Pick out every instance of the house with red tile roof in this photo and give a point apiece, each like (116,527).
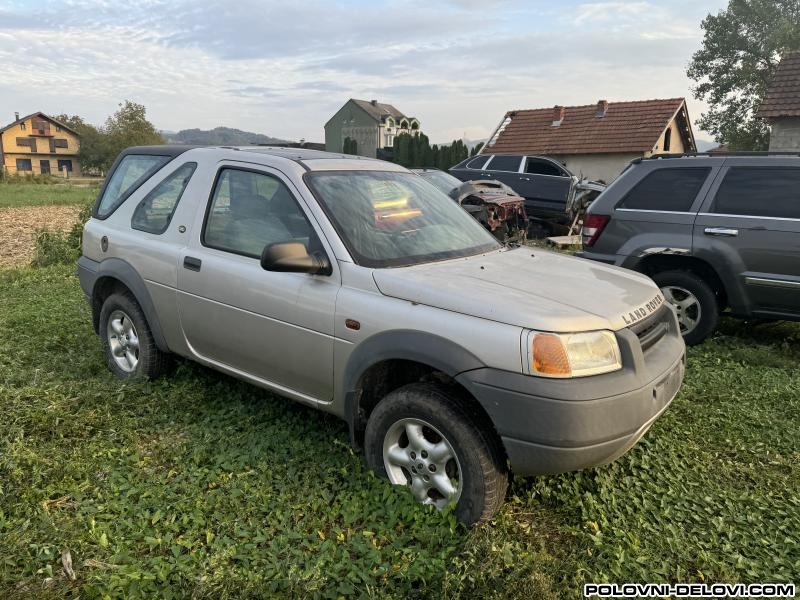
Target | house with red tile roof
(781,105)
(597,140)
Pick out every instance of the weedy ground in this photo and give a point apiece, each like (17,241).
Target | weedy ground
(196,484)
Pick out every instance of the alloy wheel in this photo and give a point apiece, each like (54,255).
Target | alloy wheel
(416,454)
(686,305)
(123,341)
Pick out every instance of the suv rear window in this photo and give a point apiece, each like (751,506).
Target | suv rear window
(670,190)
(132,171)
(505,163)
(760,192)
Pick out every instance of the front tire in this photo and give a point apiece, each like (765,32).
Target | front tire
(695,301)
(128,343)
(422,436)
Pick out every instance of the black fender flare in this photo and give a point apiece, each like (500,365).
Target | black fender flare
(93,274)
(406,344)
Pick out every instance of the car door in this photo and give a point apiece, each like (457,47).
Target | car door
(544,184)
(274,327)
(751,221)
(653,209)
(504,168)
(471,169)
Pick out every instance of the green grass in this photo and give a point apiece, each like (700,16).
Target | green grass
(29,194)
(197,484)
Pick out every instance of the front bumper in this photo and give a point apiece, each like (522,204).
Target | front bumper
(555,426)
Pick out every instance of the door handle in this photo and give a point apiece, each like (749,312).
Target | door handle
(721,231)
(525,178)
(191,263)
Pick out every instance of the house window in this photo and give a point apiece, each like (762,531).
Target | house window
(667,139)
(390,140)
(24,164)
(61,143)
(22,125)
(27,142)
(65,165)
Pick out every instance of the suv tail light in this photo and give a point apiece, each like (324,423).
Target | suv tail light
(592,228)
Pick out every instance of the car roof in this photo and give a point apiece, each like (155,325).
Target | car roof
(309,160)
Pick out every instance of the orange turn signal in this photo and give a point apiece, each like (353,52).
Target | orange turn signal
(550,356)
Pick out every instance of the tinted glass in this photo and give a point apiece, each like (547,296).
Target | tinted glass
(537,166)
(396,219)
(505,163)
(477,162)
(132,172)
(251,210)
(667,189)
(761,192)
(155,211)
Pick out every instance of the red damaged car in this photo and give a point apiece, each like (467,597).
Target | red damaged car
(492,203)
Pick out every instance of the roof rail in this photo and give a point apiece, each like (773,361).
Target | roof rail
(719,154)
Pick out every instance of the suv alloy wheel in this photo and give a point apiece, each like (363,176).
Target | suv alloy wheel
(694,300)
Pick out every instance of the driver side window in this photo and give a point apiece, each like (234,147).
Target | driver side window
(250,210)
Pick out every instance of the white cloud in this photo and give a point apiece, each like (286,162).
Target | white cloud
(283,68)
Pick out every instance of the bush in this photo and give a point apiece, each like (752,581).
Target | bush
(33,179)
(59,247)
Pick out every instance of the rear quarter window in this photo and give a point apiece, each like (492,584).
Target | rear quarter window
(670,190)
(154,213)
(760,192)
(477,162)
(131,172)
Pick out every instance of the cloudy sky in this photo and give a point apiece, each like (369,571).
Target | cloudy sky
(284,67)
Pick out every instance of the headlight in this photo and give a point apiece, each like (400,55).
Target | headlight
(572,354)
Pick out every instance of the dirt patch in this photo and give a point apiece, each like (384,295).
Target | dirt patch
(18,230)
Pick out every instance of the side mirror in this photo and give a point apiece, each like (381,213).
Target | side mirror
(292,257)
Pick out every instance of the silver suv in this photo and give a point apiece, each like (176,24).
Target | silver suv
(356,287)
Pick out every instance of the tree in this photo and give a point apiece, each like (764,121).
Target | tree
(741,49)
(129,127)
(101,145)
(93,153)
(476,149)
(349,146)
(415,151)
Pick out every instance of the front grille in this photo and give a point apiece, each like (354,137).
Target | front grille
(652,329)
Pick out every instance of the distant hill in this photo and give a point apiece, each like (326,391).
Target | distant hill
(219,136)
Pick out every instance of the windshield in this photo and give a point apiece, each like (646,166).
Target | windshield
(391,219)
(444,181)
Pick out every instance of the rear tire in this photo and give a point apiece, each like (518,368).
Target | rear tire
(128,343)
(422,435)
(695,301)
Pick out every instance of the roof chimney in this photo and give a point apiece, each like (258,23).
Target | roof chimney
(16,117)
(558,115)
(373,102)
(602,107)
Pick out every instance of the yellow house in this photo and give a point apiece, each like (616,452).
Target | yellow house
(39,145)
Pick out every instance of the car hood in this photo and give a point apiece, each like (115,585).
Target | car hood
(529,288)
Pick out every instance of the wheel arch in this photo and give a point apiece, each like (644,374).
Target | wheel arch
(658,263)
(390,360)
(115,274)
